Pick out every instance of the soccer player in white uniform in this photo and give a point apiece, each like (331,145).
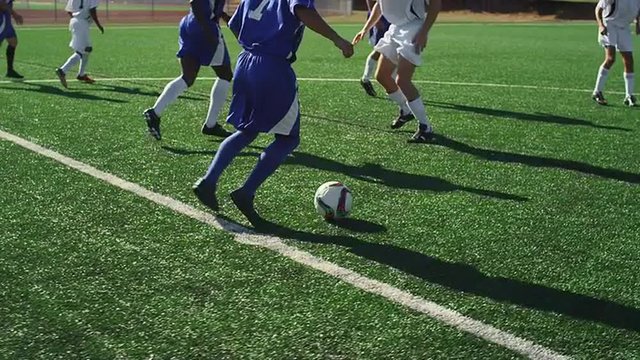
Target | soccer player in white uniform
(401,48)
(82,13)
(614,17)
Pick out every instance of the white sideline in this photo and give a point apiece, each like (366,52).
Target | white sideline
(434,82)
(245,236)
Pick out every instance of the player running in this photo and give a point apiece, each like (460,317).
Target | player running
(201,44)
(265,92)
(82,13)
(9,33)
(401,48)
(375,34)
(614,17)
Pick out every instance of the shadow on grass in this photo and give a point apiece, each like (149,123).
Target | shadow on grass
(537,117)
(58,91)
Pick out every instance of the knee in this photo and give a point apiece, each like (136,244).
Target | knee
(403,82)
(291,142)
(225,73)
(609,61)
(383,78)
(189,80)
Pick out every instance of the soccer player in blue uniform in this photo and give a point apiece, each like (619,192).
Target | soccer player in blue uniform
(265,94)
(201,44)
(9,33)
(375,34)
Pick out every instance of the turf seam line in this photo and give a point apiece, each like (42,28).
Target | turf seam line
(245,236)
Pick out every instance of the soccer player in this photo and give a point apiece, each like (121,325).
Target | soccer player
(201,44)
(613,18)
(265,94)
(375,34)
(82,14)
(9,33)
(401,48)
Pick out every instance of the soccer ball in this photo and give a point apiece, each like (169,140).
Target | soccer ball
(333,200)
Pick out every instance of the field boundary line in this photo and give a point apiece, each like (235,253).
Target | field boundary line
(245,236)
(432,82)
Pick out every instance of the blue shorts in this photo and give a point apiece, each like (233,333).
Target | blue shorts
(6,30)
(265,96)
(193,42)
(376,34)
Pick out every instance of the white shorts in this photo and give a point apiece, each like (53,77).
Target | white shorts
(80,39)
(398,41)
(617,37)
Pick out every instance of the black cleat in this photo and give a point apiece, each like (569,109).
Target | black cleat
(401,120)
(206,195)
(153,123)
(216,130)
(423,135)
(368,87)
(13,74)
(599,98)
(631,101)
(63,77)
(244,203)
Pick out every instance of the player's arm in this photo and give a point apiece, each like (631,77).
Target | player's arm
(315,22)
(201,11)
(370,4)
(602,29)
(17,17)
(94,16)
(433,10)
(376,14)
(638,24)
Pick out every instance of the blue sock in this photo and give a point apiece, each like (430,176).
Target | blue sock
(228,150)
(272,157)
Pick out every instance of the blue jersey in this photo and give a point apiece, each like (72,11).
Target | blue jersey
(269,27)
(5,16)
(213,7)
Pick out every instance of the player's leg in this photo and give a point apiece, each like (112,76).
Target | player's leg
(384,75)
(78,45)
(84,62)
(219,91)
(370,66)
(629,78)
(12,44)
(603,71)
(190,67)
(406,69)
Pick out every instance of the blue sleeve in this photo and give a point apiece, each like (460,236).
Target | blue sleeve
(235,24)
(309,4)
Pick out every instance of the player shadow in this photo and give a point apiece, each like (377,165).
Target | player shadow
(537,117)
(467,279)
(54,90)
(138,91)
(538,161)
(363,125)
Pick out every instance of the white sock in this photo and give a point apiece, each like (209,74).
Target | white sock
(170,94)
(83,64)
(602,79)
(71,61)
(418,110)
(629,83)
(218,97)
(369,67)
(398,98)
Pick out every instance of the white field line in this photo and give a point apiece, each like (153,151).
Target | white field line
(246,236)
(433,82)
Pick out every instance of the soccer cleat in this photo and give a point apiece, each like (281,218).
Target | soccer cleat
(368,87)
(63,77)
(244,203)
(216,130)
(14,74)
(631,101)
(153,123)
(423,135)
(85,79)
(401,120)
(599,98)
(206,195)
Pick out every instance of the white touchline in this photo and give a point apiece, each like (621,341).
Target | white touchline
(434,82)
(246,236)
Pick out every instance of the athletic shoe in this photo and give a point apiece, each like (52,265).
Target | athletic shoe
(401,120)
(423,135)
(63,77)
(206,195)
(631,101)
(368,87)
(153,123)
(216,130)
(244,203)
(14,74)
(599,98)
(85,79)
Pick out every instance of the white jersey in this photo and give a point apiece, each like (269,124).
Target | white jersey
(79,9)
(400,12)
(619,13)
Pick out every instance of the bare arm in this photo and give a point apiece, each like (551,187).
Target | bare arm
(370,4)
(315,22)
(433,10)
(94,16)
(601,28)
(17,17)
(376,14)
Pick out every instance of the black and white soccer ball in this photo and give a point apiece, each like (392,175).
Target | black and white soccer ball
(333,200)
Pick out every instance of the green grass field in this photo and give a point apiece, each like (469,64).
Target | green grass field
(524,215)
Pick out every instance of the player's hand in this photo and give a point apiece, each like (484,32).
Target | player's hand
(637,28)
(101,29)
(358,37)
(18,18)
(345,46)
(225,17)
(602,30)
(420,42)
